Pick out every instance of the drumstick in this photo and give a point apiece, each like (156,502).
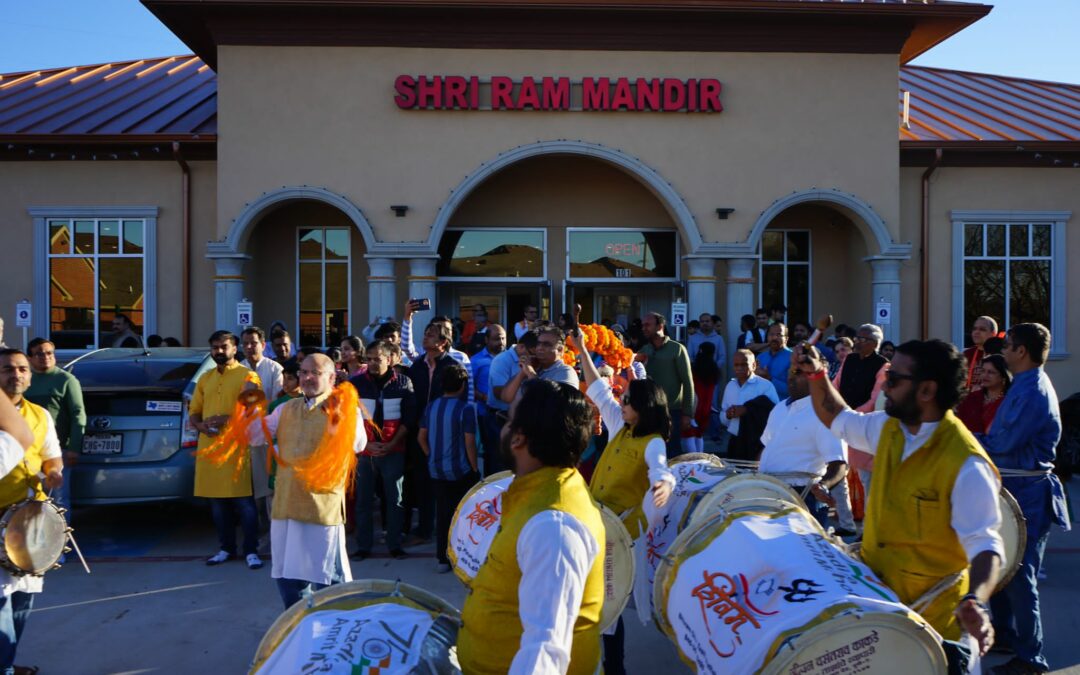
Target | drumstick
(78,552)
(823,323)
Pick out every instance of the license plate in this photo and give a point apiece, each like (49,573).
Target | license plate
(102,444)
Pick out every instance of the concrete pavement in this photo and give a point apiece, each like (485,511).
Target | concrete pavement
(152,606)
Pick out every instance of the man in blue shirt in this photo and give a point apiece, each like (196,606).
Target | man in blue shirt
(448,438)
(486,420)
(775,362)
(709,333)
(1022,442)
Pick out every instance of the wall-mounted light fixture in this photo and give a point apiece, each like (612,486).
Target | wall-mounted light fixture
(399,210)
(722,213)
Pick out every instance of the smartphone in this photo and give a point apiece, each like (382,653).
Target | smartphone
(422,304)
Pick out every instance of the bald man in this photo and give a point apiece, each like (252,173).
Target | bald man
(307,528)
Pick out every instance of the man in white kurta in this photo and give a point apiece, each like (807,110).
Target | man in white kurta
(307,529)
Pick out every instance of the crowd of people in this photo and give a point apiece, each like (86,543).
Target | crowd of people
(931,433)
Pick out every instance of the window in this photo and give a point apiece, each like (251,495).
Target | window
(601,253)
(322,285)
(1009,266)
(96,269)
(785,272)
(489,253)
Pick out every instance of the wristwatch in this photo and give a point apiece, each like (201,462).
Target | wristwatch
(978,603)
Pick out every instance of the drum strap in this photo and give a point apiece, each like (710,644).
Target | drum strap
(1023,473)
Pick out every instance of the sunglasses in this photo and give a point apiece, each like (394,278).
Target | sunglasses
(893,378)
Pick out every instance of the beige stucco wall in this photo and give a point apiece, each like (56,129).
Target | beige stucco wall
(24,185)
(990,189)
(326,117)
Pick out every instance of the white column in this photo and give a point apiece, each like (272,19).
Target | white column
(228,290)
(701,286)
(740,297)
(382,288)
(422,285)
(886,285)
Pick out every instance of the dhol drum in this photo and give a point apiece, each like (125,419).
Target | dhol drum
(752,589)
(364,626)
(34,535)
(702,485)
(476,520)
(1014,533)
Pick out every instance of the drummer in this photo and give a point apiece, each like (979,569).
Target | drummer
(801,449)
(536,601)
(633,462)
(933,509)
(307,528)
(19,483)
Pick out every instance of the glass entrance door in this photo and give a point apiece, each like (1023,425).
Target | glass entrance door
(611,305)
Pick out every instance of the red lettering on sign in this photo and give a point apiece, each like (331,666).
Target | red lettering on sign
(556,93)
(674,95)
(648,94)
(455,92)
(691,90)
(528,96)
(502,93)
(710,96)
(406,95)
(624,97)
(429,92)
(474,93)
(595,93)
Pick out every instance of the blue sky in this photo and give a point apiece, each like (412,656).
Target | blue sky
(1023,38)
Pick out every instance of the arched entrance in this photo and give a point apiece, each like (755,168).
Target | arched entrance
(557,223)
(297,254)
(826,251)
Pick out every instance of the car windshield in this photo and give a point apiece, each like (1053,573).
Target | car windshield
(137,372)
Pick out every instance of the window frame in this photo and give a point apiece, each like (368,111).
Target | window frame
(624,280)
(508,228)
(785,263)
(43,214)
(1058,272)
(348,262)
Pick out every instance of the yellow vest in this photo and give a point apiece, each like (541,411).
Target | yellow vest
(492,629)
(621,478)
(13,487)
(908,538)
(299,432)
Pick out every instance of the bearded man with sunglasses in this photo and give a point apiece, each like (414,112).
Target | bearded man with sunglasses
(933,507)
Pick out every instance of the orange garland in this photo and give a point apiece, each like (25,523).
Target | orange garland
(231,444)
(334,462)
(600,339)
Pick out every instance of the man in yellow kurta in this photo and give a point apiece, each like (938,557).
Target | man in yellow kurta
(230,494)
(536,601)
(20,483)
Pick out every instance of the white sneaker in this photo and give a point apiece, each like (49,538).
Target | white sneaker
(219,557)
(254,562)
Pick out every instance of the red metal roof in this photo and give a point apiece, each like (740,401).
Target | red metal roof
(176,98)
(955,106)
(171,98)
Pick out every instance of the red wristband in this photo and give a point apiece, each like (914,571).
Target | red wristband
(819,375)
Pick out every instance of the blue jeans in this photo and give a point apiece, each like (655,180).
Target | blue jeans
(391,470)
(292,590)
(819,510)
(490,432)
(1016,607)
(674,444)
(14,611)
(225,511)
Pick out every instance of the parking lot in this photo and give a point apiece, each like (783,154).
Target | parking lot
(152,606)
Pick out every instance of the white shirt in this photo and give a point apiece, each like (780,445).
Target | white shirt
(599,392)
(976,514)
(11,453)
(307,551)
(269,372)
(796,441)
(555,552)
(736,394)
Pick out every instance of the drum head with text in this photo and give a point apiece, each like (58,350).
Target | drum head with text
(474,525)
(1014,534)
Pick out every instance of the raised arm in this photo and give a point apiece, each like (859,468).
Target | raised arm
(827,401)
(577,339)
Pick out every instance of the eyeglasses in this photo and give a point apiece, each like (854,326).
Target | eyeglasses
(43,353)
(893,378)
